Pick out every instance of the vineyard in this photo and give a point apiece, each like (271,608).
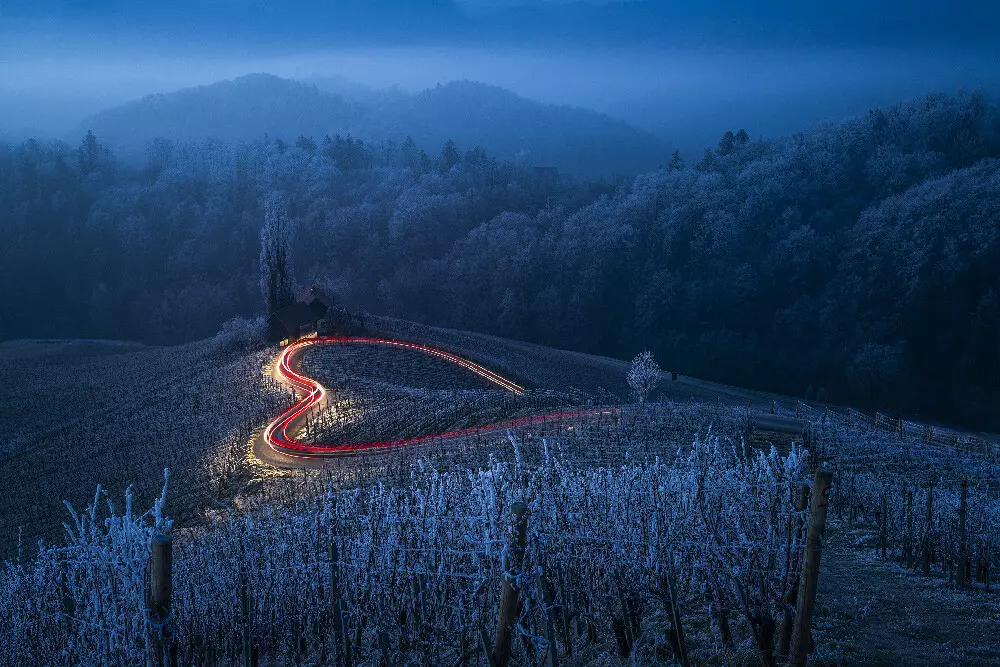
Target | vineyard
(670,532)
(379,393)
(80,414)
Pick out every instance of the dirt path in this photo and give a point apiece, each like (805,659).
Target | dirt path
(873,612)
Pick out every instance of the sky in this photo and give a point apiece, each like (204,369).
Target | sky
(686,69)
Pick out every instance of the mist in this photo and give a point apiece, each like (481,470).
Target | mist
(686,84)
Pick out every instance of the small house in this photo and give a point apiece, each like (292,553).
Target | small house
(292,322)
(318,301)
(315,312)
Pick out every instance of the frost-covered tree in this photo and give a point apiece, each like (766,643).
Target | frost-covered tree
(676,161)
(275,245)
(449,156)
(643,375)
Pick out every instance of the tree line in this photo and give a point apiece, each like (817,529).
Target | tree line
(855,262)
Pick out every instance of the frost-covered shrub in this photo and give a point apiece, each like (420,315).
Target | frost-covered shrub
(241,333)
(420,560)
(83,602)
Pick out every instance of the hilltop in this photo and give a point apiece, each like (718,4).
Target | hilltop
(474,115)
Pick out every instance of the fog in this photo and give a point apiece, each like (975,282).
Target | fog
(687,85)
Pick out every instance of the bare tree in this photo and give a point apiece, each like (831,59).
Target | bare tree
(643,375)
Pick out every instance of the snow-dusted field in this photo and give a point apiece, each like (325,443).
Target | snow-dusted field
(81,413)
(622,508)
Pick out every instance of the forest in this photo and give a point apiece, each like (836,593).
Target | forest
(856,262)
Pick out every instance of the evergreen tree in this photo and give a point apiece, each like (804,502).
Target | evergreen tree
(275,245)
(676,162)
(727,143)
(449,156)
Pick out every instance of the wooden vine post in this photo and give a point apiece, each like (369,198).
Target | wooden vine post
(884,528)
(908,547)
(509,603)
(160,597)
(928,546)
(806,599)
(340,645)
(791,599)
(962,547)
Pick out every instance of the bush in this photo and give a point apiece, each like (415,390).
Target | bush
(241,333)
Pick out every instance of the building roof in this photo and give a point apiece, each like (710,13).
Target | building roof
(318,300)
(292,318)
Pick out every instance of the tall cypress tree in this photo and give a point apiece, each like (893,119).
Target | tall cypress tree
(275,247)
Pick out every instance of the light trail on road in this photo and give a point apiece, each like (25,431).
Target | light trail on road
(277,434)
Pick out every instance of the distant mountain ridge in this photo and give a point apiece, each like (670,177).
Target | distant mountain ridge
(472,114)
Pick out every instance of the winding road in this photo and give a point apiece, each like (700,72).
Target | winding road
(279,438)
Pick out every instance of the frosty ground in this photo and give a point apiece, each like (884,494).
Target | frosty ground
(94,413)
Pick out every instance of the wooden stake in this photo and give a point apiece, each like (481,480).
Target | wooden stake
(383,640)
(788,620)
(820,503)
(961,536)
(925,556)
(160,595)
(339,640)
(884,533)
(160,572)
(509,600)
(908,547)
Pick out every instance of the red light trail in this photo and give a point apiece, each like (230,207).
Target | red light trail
(277,435)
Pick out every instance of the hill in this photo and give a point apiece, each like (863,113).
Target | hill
(403,537)
(838,251)
(504,124)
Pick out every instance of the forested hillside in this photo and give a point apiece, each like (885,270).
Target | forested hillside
(857,262)
(472,114)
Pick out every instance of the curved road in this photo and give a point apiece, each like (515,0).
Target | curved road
(278,437)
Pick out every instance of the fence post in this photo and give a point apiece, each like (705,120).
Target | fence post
(339,636)
(509,602)
(160,595)
(791,599)
(909,529)
(925,556)
(819,504)
(961,535)
(884,533)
